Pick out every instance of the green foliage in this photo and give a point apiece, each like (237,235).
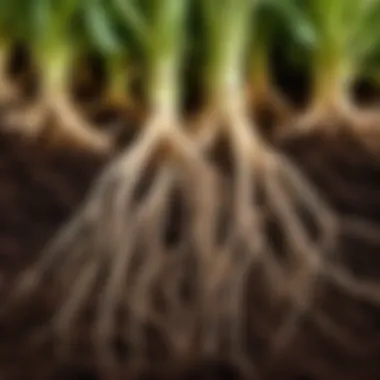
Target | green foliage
(47,22)
(207,29)
(343,29)
(275,20)
(225,26)
(100,27)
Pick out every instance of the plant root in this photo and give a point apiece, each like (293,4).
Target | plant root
(344,117)
(138,265)
(293,204)
(115,251)
(356,339)
(67,121)
(9,93)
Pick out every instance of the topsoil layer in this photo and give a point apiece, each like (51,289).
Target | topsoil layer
(40,187)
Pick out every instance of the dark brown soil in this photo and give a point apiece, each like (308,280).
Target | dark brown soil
(40,187)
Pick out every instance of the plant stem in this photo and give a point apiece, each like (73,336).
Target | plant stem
(118,76)
(164,55)
(163,91)
(332,78)
(55,66)
(260,70)
(225,65)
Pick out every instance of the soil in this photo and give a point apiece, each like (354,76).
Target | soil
(41,186)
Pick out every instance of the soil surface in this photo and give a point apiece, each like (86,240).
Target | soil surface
(40,187)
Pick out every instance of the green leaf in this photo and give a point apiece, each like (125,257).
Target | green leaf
(41,19)
(130,15)
(101,28)
(366,37)
(290,15)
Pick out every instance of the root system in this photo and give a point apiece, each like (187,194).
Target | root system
(207,243)
(169,239)
(78,301)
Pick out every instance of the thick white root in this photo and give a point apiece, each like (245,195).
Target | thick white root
(326,118)
(67,124)
(77,129)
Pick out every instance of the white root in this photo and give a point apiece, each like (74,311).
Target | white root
(77,128)
(139,307)
(137,301)
(247,222)
(82,271)
(177,325)
(68,123)
(286,192)
(325,117)
(307,257)
(120,268)
(63,322)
